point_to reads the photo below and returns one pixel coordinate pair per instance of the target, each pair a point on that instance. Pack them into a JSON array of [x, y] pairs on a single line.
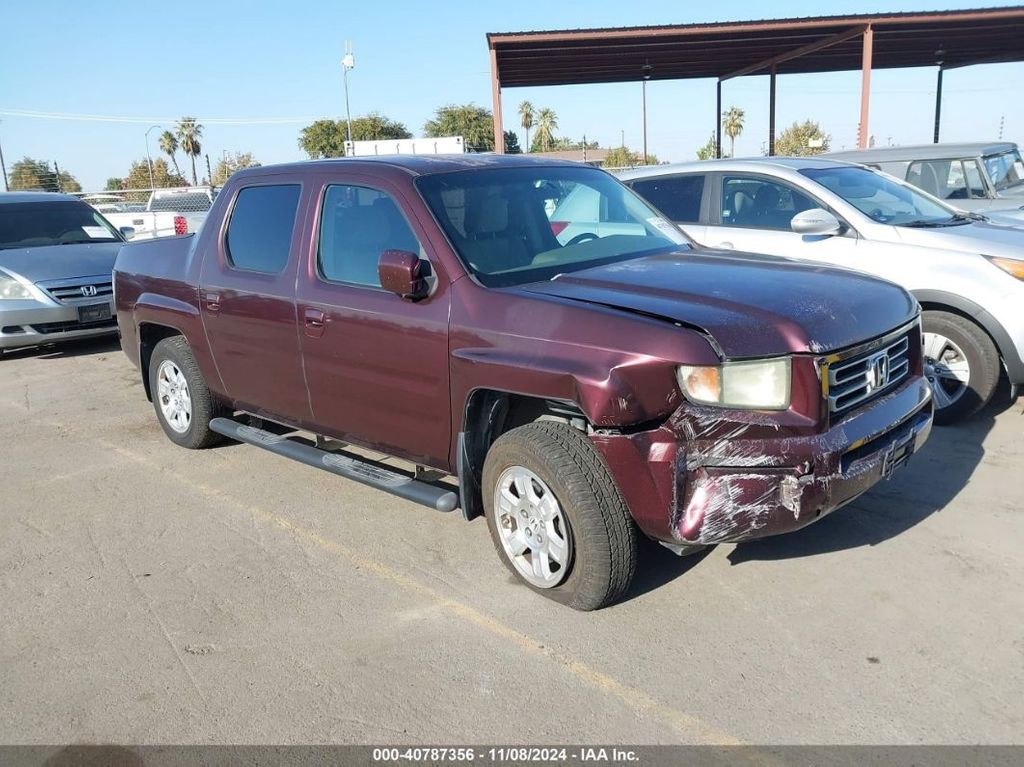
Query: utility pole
[[209, 173], [1002, 121], [646, 72], [3, 168], [348, 62], [149, 160], [56, 170]]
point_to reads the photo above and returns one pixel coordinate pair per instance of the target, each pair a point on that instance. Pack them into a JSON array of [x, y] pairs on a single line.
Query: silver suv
[[967, 273]]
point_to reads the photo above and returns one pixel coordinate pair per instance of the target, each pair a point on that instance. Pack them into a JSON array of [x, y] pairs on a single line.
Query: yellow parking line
[[684, 723]]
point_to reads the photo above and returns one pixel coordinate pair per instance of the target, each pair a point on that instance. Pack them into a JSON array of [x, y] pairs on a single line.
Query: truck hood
[[989, 238], [750, 305], [56, 262]]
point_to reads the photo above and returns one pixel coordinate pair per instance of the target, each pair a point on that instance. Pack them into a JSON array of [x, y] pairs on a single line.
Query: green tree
[[547, 122], [526, 115], [802, 139], [113, 184], [512, 143], [326, 138], [188, 133], [707, 152], [138, 178], [230, 163], [473, 123], [624, 157], [38, 175], [323, 138], [732, 124], [169, 146]]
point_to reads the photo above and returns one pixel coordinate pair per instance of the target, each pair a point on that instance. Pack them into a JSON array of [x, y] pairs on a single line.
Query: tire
[[591, 520], [172, 360], [961, 363]]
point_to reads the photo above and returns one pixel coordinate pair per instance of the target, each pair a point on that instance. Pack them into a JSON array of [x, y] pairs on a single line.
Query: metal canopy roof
[[729, 49]]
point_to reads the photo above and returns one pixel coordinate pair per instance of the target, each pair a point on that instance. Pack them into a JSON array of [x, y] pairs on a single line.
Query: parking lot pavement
[[151, 594]]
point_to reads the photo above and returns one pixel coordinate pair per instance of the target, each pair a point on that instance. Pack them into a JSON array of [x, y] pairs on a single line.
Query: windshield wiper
[[955, 220]]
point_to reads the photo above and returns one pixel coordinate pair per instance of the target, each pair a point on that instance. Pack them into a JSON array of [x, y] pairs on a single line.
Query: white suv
[[967, 273]]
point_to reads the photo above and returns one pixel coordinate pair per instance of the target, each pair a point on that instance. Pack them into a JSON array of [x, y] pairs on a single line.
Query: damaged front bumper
[[713, 476]]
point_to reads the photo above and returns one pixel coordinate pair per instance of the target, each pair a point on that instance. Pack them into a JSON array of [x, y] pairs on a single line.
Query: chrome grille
[[854, 381], [71, 291]]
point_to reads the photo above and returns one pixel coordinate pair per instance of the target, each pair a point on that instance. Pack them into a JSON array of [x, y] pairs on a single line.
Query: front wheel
[[961, 364], [556, 516]]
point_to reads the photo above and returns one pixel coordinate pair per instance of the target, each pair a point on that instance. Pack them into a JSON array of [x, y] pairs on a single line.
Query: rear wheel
[[183, 403], [557, 518], [961, 363]]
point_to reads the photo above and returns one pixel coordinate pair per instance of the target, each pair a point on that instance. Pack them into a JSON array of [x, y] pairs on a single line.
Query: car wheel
[[184, 405], [556, 516], [961, 364]]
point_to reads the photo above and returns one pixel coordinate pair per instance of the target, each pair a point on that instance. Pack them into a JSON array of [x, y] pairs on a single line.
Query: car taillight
[[180, 227], [558, 226]]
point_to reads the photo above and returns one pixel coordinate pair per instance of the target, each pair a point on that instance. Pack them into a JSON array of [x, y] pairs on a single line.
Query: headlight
[[11, 288], [758, 385], [1011, 266]]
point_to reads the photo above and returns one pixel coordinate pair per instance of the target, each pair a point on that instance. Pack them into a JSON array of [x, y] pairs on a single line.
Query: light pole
[[643, 87], [149, 161], [347, 62]]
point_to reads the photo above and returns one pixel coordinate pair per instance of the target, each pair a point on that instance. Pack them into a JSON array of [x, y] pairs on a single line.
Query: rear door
[[376, 364], [681, 197], [752, 213], [247, 299]]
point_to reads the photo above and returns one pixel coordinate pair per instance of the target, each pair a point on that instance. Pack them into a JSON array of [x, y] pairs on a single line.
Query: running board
[[343, 464]]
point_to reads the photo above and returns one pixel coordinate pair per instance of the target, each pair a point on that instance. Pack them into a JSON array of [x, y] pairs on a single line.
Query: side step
[[343, 464]]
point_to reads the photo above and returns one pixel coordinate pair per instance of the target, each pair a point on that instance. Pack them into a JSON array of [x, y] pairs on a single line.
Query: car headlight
[[1011, 266], [756, 385], [11, 288]]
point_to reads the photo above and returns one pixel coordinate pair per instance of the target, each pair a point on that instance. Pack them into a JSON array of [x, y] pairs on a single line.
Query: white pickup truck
[[168, 212]]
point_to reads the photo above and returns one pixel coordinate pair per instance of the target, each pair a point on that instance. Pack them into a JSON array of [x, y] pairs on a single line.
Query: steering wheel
[[877, 214], [581, 237]]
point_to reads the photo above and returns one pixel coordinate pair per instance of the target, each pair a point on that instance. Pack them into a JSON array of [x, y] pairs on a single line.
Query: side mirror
[[816, 221], [400, 272], [127, 232]]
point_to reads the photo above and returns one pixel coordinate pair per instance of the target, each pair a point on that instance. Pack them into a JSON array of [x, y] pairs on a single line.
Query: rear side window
[[678, 197], [356, 226], [260, 231]]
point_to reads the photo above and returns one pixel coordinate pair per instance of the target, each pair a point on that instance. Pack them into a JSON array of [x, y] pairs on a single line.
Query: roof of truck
[[926, 151], [417, 164], [10, 197]]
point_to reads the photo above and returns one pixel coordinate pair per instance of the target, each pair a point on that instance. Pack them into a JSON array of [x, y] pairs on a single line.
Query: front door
[[247, 300], [752, 213], [376, 364]]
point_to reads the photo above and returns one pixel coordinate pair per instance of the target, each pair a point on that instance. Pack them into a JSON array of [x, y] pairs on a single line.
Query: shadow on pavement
[[66, 349], [925, 486]]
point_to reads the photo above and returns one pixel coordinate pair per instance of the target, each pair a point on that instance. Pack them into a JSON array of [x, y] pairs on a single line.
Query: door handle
[[212, 301], [725, 245], [314, 321]]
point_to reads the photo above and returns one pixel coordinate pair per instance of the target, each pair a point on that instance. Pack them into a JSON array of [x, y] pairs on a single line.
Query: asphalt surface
[[150, 594]]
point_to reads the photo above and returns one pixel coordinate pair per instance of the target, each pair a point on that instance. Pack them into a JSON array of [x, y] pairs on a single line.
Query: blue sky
[[246, 62]]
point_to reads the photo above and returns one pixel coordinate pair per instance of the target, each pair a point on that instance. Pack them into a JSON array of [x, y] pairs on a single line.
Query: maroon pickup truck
[[580, 379]]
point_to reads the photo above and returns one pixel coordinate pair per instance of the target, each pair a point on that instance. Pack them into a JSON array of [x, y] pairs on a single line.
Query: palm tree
[[526, 120], [169, 146], [189, 132], [732, 124], [547, 121]]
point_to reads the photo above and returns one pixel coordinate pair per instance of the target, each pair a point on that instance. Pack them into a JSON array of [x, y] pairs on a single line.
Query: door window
[[260, 231], [678, 197], [357, 225], [759, 203]]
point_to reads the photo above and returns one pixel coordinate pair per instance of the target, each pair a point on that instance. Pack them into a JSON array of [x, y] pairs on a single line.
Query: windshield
[[1005, 169], [61, 222], [883, 198], [512, 226]]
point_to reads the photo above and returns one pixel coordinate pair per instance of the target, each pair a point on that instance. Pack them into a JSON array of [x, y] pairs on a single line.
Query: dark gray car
[[56, 258]]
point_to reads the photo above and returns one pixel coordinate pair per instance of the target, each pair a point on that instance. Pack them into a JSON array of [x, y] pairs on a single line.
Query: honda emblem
[[88, 290]]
